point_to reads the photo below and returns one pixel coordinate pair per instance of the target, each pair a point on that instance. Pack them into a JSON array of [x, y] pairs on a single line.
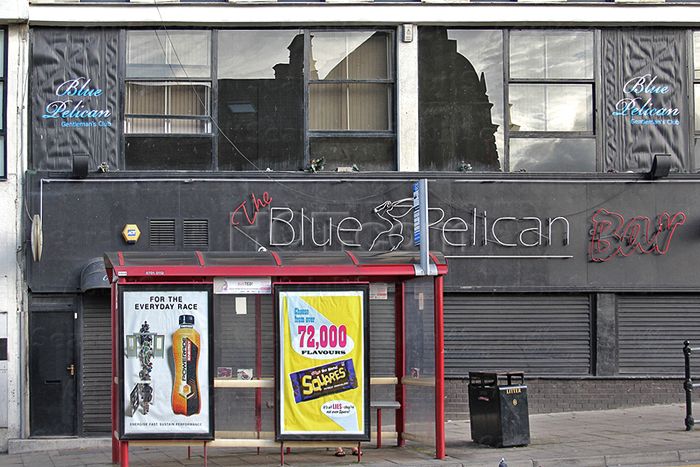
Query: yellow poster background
[[329, 308]]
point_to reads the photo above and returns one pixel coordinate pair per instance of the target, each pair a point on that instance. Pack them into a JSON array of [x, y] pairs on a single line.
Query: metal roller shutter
[[539, 334], [651, 331], [234, 333], [382, 336], [268, 316], [96, 364]]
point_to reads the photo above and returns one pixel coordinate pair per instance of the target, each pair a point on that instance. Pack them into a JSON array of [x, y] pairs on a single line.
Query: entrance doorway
[[53, 368]]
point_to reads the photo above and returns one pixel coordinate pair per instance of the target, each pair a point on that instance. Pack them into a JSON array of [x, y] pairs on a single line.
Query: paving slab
[[642, 436]]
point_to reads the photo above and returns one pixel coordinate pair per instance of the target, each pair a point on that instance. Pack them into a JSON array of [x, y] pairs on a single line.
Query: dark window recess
[[168, 153], [367, 153], [195, 234], [261, 100], [461, 106], [350, 85], [161, 232], [547, 122], [3, 349]]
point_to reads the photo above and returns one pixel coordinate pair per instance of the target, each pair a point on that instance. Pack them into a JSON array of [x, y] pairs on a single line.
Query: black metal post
[[688, 386]]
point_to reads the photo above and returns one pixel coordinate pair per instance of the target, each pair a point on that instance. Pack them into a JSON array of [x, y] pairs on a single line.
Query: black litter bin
[[498, 409]]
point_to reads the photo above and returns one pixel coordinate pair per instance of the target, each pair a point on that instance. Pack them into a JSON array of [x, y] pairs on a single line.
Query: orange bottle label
[[186, 398]]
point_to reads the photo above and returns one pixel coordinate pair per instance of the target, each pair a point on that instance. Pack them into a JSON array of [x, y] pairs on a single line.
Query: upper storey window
[[550, 101], [507, 100], [351, 93], [168, 94], [265, 99], [260, 102]]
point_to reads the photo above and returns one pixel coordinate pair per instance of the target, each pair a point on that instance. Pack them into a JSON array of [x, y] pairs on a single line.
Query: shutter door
[[234, 334], [96, 364], [651, 331], [539, 334], [382, 335]]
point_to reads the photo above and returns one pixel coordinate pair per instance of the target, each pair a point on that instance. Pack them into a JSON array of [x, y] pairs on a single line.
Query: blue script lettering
[[77, 87], [63, 109], [630, 106], [644, 84], [76, 108]]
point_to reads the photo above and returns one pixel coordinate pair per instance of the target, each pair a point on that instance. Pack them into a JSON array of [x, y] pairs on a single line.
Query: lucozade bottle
[[186, 400]]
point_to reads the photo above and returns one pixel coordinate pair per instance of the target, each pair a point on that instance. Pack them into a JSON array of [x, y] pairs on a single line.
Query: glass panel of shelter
[[419, 380], [244, 349]]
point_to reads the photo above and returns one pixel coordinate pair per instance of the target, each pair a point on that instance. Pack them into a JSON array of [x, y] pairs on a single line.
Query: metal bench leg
[[379, 427]]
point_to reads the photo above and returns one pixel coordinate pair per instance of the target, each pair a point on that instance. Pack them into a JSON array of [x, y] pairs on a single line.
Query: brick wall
[[547, 395]]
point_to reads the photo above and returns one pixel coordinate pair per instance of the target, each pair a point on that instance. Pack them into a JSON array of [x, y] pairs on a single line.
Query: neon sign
[[641, 111], [71, 108], [612, 236], [258, 204], [474, 228]]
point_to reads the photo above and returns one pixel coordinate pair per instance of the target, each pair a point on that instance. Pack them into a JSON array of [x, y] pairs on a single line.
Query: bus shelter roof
[[182, 264]]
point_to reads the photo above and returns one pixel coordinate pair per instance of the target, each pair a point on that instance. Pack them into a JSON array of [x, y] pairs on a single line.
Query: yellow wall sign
[[323, 372], [131, 233]]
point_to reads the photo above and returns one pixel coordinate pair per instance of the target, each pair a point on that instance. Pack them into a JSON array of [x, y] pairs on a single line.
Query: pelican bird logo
[[391, 212]]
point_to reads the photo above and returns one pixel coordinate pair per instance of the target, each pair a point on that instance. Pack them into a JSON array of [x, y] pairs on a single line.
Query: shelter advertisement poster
[[166, 364], [323, 362]]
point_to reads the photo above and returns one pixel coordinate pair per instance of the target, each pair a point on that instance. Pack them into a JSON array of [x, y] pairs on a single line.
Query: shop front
[[568, 258]]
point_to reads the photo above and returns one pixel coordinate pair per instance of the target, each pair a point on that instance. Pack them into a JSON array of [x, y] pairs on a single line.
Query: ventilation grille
[[195, 234], [161, 232]]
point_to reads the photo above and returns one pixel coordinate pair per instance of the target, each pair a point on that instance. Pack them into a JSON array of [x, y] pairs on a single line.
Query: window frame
[[3, 108], [593, 81], [169, 116], [391, 133], [210, 82]]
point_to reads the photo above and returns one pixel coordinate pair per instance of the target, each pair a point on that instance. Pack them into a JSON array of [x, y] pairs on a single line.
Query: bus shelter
[[275, 350]]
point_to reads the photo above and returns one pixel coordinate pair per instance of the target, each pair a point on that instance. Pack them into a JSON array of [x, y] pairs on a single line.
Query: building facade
[[301, 127], [13, 55]]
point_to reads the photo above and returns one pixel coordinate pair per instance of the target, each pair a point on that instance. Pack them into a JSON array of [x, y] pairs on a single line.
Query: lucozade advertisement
[[323, 371], [166, 363]]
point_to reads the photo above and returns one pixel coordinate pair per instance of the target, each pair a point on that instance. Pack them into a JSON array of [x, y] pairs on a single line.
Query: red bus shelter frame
[[149, 268]]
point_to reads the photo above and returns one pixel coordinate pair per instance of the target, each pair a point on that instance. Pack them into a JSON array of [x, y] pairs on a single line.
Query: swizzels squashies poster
[[323, 375]]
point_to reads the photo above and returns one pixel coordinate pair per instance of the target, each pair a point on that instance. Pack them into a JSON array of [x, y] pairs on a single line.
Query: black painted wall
[[60, 55], [82, 219], [659, 58]]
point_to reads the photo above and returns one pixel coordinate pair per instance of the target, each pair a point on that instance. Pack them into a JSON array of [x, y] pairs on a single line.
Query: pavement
[[642, 436]]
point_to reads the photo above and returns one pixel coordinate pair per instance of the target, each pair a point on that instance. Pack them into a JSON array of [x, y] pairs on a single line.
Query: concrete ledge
[[644, 458], [689, 455], [22, 446], [597, 461]]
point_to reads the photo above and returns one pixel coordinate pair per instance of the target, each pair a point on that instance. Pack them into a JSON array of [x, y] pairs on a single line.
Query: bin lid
[[496, 378]]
